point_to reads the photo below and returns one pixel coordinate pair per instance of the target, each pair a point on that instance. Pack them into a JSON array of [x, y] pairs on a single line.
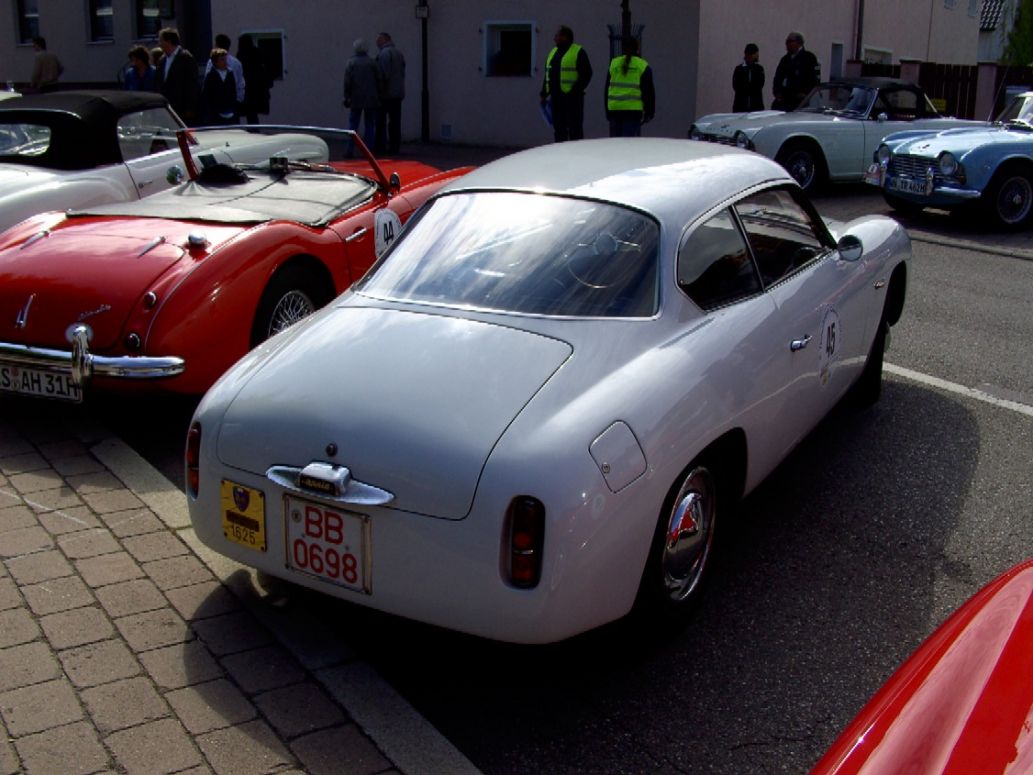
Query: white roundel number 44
[[386, 224]]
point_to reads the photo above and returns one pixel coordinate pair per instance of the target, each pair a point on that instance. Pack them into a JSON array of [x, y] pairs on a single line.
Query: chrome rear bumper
[[83, 365]]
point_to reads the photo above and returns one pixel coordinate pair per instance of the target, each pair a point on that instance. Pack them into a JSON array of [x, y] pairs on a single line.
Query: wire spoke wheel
[[290, 308], [1014, 200]]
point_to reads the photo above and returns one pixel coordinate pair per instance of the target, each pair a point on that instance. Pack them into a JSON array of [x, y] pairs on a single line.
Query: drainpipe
[[423, 12], [859, 37], [625, 19]]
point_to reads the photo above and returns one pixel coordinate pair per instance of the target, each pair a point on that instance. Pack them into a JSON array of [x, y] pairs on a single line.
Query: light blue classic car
[[832, 135], [990, 168]]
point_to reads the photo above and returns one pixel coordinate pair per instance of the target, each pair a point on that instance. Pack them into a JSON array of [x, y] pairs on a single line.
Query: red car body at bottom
[[962, 703]]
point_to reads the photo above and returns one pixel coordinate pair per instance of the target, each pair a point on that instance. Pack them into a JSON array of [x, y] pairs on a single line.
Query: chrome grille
[[911, 166], [719, 139]]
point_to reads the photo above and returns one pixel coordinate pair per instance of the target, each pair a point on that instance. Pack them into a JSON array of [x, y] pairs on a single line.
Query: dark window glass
[[149, 16], [714, 265], [101, 27], [782, 234], [28, 20], [508, 50]]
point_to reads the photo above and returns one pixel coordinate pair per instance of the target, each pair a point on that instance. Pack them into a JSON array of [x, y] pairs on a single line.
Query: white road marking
[[961, 390]]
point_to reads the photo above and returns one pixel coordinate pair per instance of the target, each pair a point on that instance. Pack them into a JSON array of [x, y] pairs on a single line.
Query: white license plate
[[907, 185], [39, 382], [328, 543]]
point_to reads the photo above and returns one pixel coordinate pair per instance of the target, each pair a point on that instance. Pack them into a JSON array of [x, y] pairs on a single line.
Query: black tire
[[291, 295], [902, 206], [868, 388], [805, 163], [1008, 199], [682, 548]]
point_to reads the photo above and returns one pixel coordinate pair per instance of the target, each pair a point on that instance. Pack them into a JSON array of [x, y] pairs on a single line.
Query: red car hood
[[962, 703], [89, 270]]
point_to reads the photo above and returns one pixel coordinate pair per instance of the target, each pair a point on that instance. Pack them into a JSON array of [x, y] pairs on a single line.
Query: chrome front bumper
[[83, 365]]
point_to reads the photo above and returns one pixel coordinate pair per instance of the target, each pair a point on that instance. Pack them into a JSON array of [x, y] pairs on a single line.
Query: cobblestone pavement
[[125, 646]]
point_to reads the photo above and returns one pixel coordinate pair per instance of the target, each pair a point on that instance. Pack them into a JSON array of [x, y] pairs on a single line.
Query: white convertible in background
[[536, 409], [834, 132], [71, 149]]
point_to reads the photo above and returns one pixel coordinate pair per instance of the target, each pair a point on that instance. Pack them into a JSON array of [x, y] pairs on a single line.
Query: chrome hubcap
[[689, 535], [292, 307], [1015, 200], [801, 167]]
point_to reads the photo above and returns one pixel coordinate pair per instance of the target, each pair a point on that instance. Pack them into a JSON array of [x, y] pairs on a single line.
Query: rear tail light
[[523, 542], [193, 459]]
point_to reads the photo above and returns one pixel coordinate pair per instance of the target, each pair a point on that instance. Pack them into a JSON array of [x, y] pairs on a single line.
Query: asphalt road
[[831, 573]]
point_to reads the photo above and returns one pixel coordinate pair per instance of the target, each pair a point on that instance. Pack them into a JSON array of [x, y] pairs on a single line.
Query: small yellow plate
[[243, 515]]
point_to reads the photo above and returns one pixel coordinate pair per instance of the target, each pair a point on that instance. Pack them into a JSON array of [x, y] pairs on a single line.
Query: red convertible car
[[168, 291], [962, 703]]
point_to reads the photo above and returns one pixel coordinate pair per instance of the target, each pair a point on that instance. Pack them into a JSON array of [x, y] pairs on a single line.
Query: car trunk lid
[[92, 273], [413, 402]]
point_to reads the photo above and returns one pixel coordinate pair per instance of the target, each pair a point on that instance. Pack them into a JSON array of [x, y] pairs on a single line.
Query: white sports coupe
[[77, 149], [833, 134], [535, 410]]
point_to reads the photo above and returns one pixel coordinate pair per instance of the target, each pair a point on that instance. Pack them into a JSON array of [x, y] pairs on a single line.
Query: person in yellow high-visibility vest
[[630, 96], [567, 73]]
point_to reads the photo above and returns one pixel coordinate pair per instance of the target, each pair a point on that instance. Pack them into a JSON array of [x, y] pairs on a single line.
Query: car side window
[[148, 131], [782, 234], [899, 105], [714, 264]]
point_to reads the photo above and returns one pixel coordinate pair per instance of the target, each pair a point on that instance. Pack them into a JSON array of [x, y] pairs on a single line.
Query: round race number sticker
[[387, 224]]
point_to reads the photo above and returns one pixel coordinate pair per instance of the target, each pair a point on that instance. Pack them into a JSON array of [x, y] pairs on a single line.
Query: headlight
[[882, 155], [742, 141], [694, 133], [948, 164]]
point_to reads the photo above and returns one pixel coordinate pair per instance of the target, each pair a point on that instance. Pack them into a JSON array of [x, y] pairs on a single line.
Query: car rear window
[[525, 253], [28, 140]]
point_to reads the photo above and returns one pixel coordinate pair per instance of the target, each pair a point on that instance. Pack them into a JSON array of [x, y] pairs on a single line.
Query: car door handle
[[799, 344], [356, 234], [144, 183]]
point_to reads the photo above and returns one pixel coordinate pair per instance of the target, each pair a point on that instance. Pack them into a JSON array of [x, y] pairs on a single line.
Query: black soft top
[[83, 125]]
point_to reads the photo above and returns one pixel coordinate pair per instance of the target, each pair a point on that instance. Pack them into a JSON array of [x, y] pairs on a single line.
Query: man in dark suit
[[178, 77]]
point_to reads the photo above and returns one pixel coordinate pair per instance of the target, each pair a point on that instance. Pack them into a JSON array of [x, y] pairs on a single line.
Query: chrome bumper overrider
[[83, 364]]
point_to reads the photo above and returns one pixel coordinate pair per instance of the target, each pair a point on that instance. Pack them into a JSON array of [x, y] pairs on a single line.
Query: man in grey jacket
[[361, 88], [392, 90]]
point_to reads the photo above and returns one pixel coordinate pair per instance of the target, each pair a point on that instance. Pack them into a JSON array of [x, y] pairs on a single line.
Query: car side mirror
[[882, 117], [174, 175], [395, 183], [850, 247]]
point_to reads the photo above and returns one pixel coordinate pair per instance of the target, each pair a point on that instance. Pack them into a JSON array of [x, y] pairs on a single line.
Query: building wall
[[692, 45]]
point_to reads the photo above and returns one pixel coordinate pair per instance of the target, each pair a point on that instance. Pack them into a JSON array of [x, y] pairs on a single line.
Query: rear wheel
[[804, 162], [680, 553], [292, 294], [1009, 197]]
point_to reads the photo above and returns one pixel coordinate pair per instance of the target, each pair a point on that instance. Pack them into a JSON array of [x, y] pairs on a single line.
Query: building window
[[28, 20], [508, 49], [150, 15], [101, 28], [270, 46], [948, 4]]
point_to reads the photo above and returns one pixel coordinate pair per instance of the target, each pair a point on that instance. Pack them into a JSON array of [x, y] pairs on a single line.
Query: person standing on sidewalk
[[797, 73], [361, 89], [567, 74], [748, 82], [178, 78], [630, 96], [392, 81], [46, 68]]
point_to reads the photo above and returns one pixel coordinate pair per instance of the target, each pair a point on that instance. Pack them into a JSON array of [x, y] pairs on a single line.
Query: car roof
[[676, 180], [83, 125]]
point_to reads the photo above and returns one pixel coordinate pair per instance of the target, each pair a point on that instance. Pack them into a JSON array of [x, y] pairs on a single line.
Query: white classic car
[[834, 132], [63, 150], [538, 406]]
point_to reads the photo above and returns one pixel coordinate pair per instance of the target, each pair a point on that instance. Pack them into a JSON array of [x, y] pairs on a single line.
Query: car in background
[[834, 132], [165, 293], [962, 703], [989, 167], [539, 405], [72, 149]]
